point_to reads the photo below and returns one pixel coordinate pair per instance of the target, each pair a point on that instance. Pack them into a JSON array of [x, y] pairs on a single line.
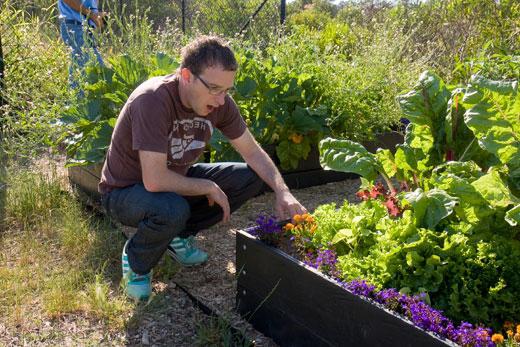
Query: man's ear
[[186, 74]]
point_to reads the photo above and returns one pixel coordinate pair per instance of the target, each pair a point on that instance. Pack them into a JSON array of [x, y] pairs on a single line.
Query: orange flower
[[289, 226], [309, 219], [509, 333], [297, 218], [497, 338], [518, 329], [296, 138]]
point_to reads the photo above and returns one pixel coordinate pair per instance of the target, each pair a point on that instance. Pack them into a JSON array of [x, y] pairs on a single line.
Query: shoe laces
[[190, 245], [134, 277]]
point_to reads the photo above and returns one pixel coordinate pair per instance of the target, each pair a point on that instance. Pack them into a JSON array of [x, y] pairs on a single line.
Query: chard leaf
[[467, 170], [426, 104], [426, 107], [493, 109], [387, 160], [430, 207], [493, 188], [348, 156], [513, 216]]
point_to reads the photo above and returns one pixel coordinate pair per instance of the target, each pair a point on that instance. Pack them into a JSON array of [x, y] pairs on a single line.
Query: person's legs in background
[[75, 36]]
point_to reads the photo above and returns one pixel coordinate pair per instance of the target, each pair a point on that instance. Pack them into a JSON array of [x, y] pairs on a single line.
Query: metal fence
[[250, 18]]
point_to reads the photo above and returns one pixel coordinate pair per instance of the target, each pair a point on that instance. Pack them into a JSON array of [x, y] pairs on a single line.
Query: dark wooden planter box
[[86, 178], [296, 305]]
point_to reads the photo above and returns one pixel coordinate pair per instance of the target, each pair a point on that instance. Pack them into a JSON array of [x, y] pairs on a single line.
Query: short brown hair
[[208, 51]]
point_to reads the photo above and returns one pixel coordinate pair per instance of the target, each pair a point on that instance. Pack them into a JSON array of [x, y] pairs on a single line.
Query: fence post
[[282, 12], [183, 10], [244, 27]]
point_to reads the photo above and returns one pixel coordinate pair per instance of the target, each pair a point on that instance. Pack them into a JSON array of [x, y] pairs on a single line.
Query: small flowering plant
[[302, 230], [323, 260], [269, 230], [512, 338]]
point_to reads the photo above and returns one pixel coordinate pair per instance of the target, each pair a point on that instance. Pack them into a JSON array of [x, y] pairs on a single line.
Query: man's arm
[[77, 6], [158, 178], [286, 204]]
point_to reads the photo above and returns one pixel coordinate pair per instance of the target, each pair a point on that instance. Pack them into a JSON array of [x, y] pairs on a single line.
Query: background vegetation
[[335, 69]]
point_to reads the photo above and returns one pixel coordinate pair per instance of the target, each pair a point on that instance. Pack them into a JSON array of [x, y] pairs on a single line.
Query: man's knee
[[249, 181], [174, 214]]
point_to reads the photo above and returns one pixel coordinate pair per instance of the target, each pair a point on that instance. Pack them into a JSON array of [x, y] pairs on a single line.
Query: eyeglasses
[[214, 90]]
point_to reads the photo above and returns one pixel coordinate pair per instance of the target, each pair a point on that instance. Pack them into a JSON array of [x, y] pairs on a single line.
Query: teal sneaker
[[136, 286], [185, 252]]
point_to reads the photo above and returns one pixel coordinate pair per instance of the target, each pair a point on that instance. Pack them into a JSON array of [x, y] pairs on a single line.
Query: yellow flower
[[497, 338], [518, 329], [509, 333]]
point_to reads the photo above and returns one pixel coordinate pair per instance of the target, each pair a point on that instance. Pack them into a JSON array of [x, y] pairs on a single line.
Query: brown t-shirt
[[154, 119]]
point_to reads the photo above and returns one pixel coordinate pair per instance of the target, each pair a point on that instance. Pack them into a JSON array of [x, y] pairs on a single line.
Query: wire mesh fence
[[252, 19]]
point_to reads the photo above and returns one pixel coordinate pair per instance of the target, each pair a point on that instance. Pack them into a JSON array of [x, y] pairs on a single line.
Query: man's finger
[[226, 213]]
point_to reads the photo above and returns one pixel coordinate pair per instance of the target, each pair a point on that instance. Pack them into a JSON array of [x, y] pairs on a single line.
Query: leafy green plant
[[88, 126], [280, 107], [458, 168]]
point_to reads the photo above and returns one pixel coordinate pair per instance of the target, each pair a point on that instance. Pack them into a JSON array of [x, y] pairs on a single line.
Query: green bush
[[35, 82], [357, 74]]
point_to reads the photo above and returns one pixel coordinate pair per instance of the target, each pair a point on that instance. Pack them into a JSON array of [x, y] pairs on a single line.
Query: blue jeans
[[75, 35], [159, 217]]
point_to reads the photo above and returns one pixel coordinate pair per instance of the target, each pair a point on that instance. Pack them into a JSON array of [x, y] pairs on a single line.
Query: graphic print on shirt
[[188, 139]]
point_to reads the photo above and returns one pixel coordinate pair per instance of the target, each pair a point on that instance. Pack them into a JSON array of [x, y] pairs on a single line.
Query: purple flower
[[361, 287], [325, 261], [267, 225], [268, 229]]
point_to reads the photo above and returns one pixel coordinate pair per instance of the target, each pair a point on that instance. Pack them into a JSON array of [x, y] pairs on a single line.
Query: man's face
[[208, 90]]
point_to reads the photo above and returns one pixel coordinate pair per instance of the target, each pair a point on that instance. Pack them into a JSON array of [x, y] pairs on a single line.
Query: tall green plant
[[281, 107], [88, 126]]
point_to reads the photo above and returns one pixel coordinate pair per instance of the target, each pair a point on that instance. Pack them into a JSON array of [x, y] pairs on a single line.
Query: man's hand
[[97, 18], [216, 195], [158, 178], [287, 206]]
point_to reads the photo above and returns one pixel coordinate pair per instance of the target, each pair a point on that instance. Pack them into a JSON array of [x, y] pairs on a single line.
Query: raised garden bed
[[297, 306]]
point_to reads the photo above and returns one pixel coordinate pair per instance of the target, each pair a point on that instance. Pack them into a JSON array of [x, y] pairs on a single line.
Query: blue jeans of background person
[[159, 217], [76, 36]]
